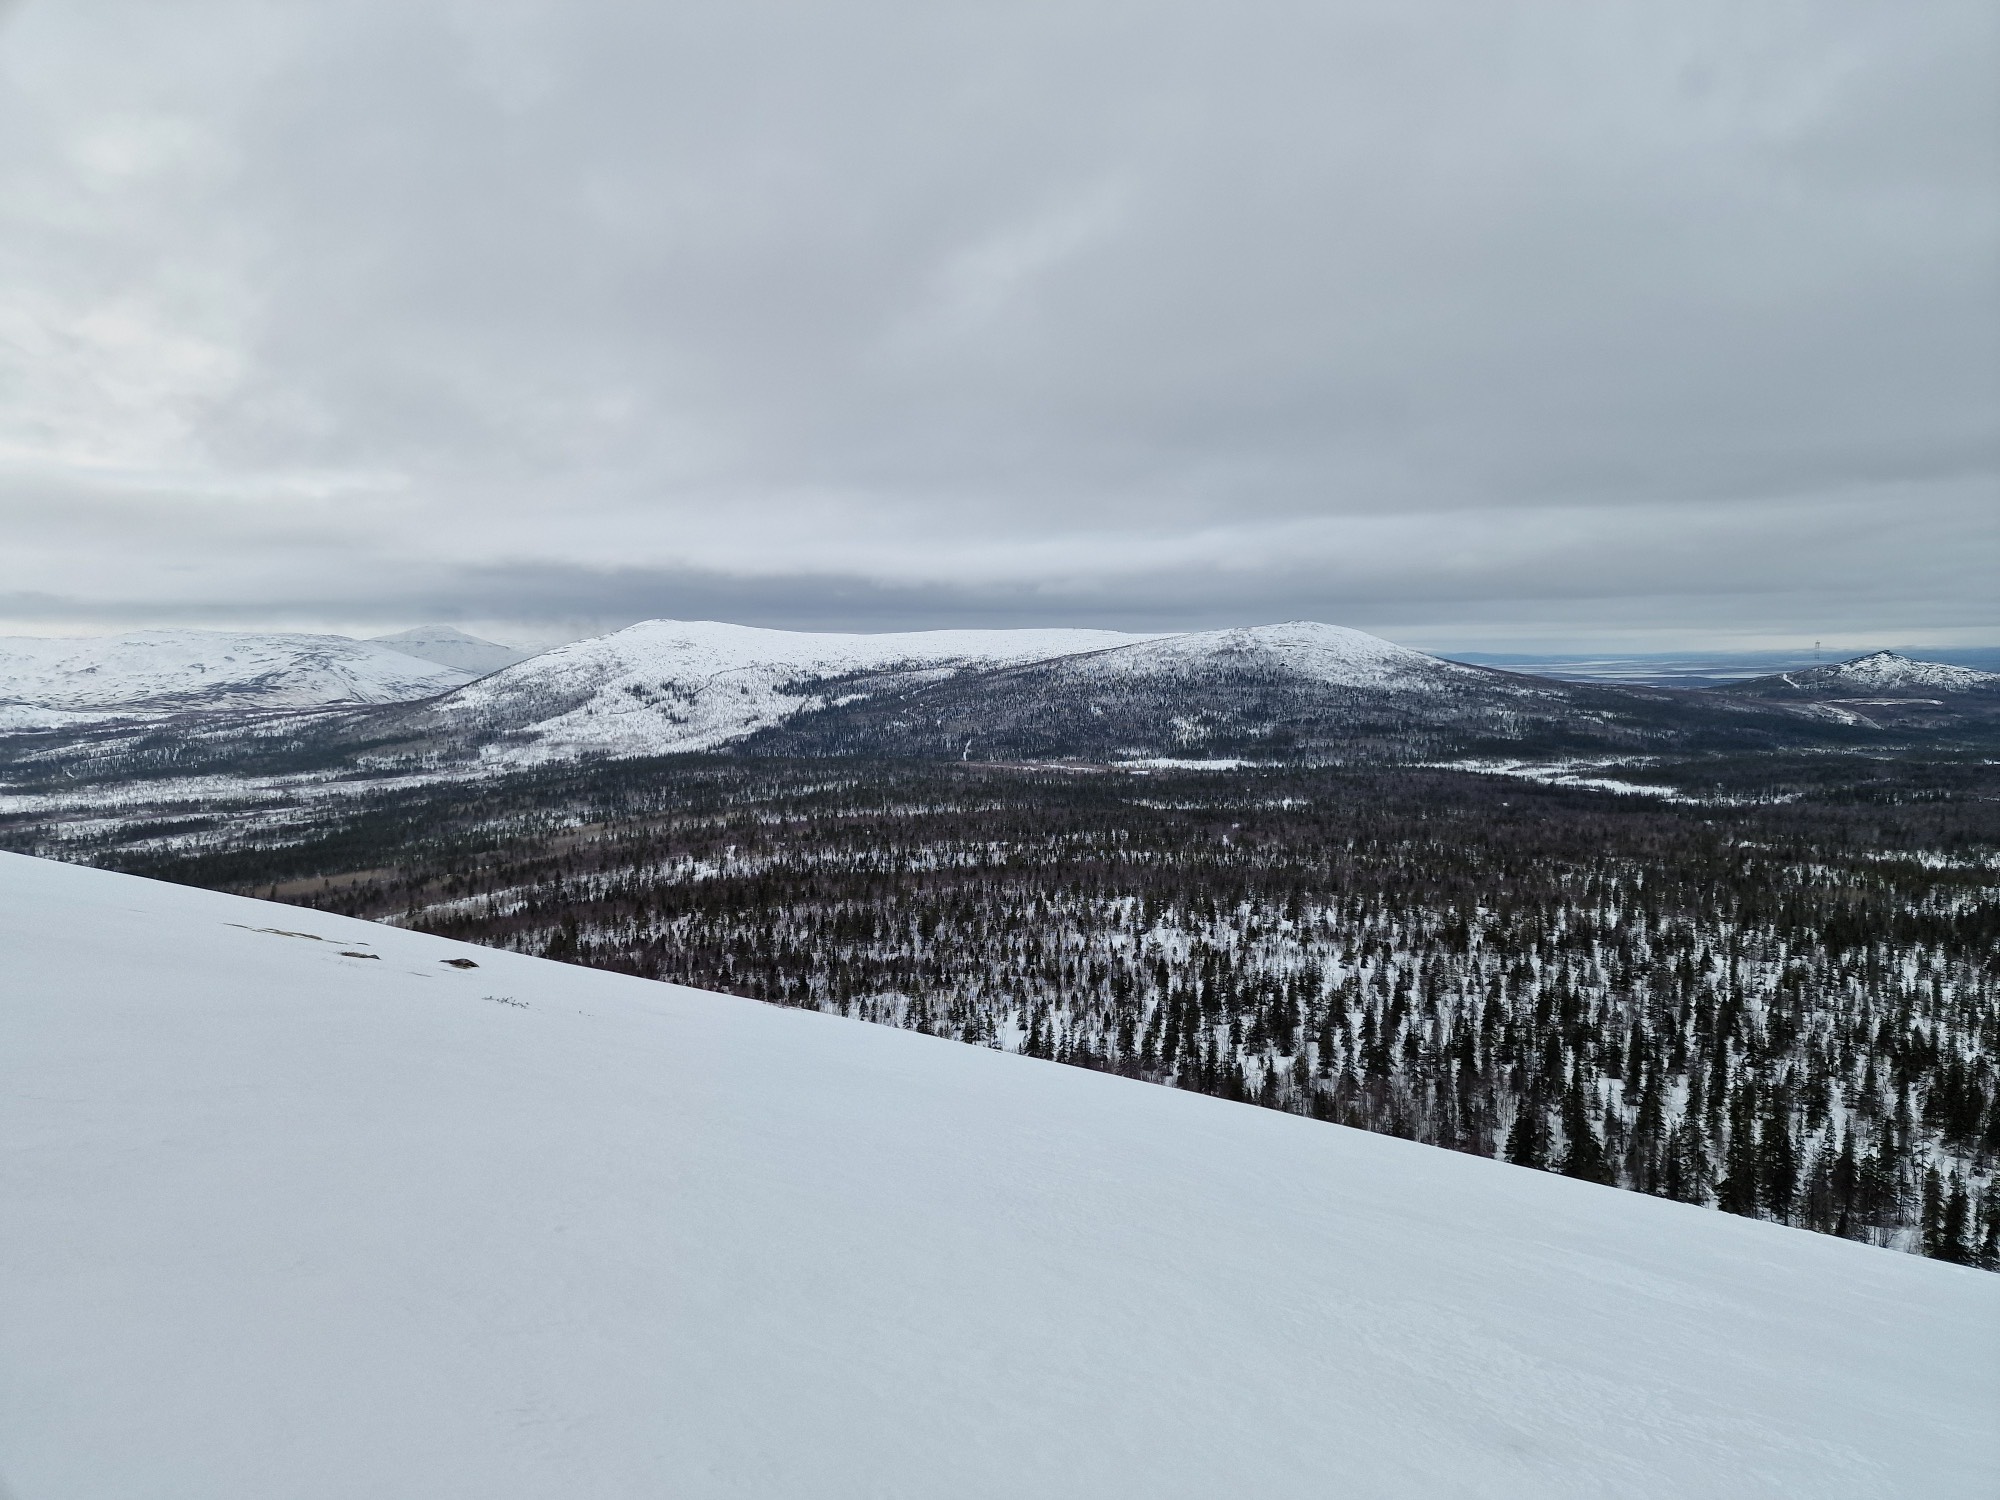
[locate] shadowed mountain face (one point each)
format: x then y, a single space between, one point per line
1882 690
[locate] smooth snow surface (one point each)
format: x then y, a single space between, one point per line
169 670
284 1222
450 647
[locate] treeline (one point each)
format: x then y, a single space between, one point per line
1785 1011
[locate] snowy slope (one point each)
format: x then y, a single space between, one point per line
679 685
285 1221
166 670
450 647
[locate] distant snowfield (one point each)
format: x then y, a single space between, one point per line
284 1221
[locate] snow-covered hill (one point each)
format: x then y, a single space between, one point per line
157 671
451 647
1882 690
301 1206
680 685
1878 672
672 686
1274 692
1331 654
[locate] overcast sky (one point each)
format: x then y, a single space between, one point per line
1479 325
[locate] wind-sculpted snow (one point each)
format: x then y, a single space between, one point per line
42 682
298 1205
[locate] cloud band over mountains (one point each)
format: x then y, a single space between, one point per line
1460 321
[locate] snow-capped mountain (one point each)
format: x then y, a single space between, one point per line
1273 691
450 647
298 1205
1883 689
162 671
1878 672
676 685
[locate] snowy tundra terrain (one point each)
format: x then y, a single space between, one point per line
299 1205
151 672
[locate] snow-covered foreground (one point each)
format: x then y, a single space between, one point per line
281 1220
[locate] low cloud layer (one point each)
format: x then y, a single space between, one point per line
1472 324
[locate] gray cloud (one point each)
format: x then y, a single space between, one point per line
1457 320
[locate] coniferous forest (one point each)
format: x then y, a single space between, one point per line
1779 1002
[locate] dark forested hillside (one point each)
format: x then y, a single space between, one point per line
1781 1005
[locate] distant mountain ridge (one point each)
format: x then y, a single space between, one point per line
1296 692
450 647
46 682
1274 692
1879 671
1882 689
666 686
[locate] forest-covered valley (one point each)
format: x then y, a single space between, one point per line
1780 1004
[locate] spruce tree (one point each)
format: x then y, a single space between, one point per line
1528 1138
1583 1153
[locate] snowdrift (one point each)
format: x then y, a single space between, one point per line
303 1206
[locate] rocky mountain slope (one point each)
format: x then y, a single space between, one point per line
302 1205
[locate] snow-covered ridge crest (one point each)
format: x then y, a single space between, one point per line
1333 654
173 670
690 685
676 686
450 647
